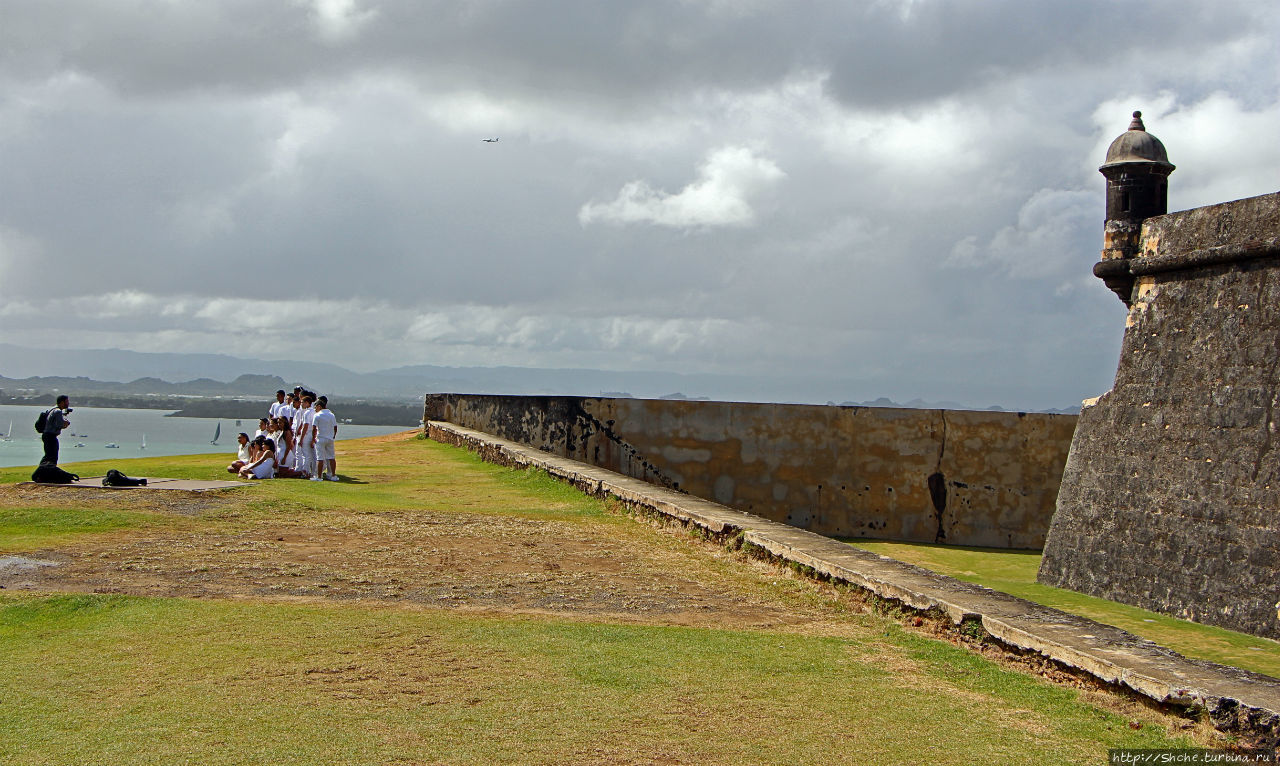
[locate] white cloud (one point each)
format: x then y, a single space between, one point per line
375 332
1222 148
721 196
339 20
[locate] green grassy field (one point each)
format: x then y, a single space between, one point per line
691 655
1014 572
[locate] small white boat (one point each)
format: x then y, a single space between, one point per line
80 444
144 442
112 445
8 436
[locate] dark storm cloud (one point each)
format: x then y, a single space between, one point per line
878 53
903 193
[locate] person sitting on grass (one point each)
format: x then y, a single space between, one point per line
263 425
242 454
284 453
264 465
254 449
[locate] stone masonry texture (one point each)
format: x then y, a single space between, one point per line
946 476
1171 495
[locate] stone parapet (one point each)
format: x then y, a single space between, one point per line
945 476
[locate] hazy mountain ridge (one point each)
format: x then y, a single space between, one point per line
173 374
253 386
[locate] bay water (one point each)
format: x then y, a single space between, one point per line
94 428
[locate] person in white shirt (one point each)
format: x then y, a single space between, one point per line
277 405
326 430
242 454
295 425
304 435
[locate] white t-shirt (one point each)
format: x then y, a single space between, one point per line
305 417
277 409
326 424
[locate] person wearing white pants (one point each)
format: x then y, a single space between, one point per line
304 433
325 427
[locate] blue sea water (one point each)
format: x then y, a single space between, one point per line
93 428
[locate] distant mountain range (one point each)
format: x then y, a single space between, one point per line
133 373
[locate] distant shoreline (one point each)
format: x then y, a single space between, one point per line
359 413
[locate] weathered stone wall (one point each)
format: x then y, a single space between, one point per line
1171 495
958 477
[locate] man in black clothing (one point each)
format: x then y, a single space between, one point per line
53 425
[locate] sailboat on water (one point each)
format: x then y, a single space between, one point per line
8 435
144 442
216 433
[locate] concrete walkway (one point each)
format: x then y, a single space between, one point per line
1236 700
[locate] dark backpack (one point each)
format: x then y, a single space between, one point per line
116 479
52 474
42 421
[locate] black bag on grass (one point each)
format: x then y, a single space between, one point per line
116 479
52 474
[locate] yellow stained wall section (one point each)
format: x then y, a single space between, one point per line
844 471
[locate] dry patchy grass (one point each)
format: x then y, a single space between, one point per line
433 609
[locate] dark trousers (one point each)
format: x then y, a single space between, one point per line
50 449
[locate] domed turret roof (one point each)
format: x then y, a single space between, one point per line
1136 145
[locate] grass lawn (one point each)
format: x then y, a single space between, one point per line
436 609
1014 572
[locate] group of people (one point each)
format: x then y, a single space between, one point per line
294 441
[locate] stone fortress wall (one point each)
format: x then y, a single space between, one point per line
1171 495
948 476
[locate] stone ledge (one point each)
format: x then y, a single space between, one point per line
1122 269
1236 700
1210 256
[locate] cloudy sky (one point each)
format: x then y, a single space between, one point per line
899 196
